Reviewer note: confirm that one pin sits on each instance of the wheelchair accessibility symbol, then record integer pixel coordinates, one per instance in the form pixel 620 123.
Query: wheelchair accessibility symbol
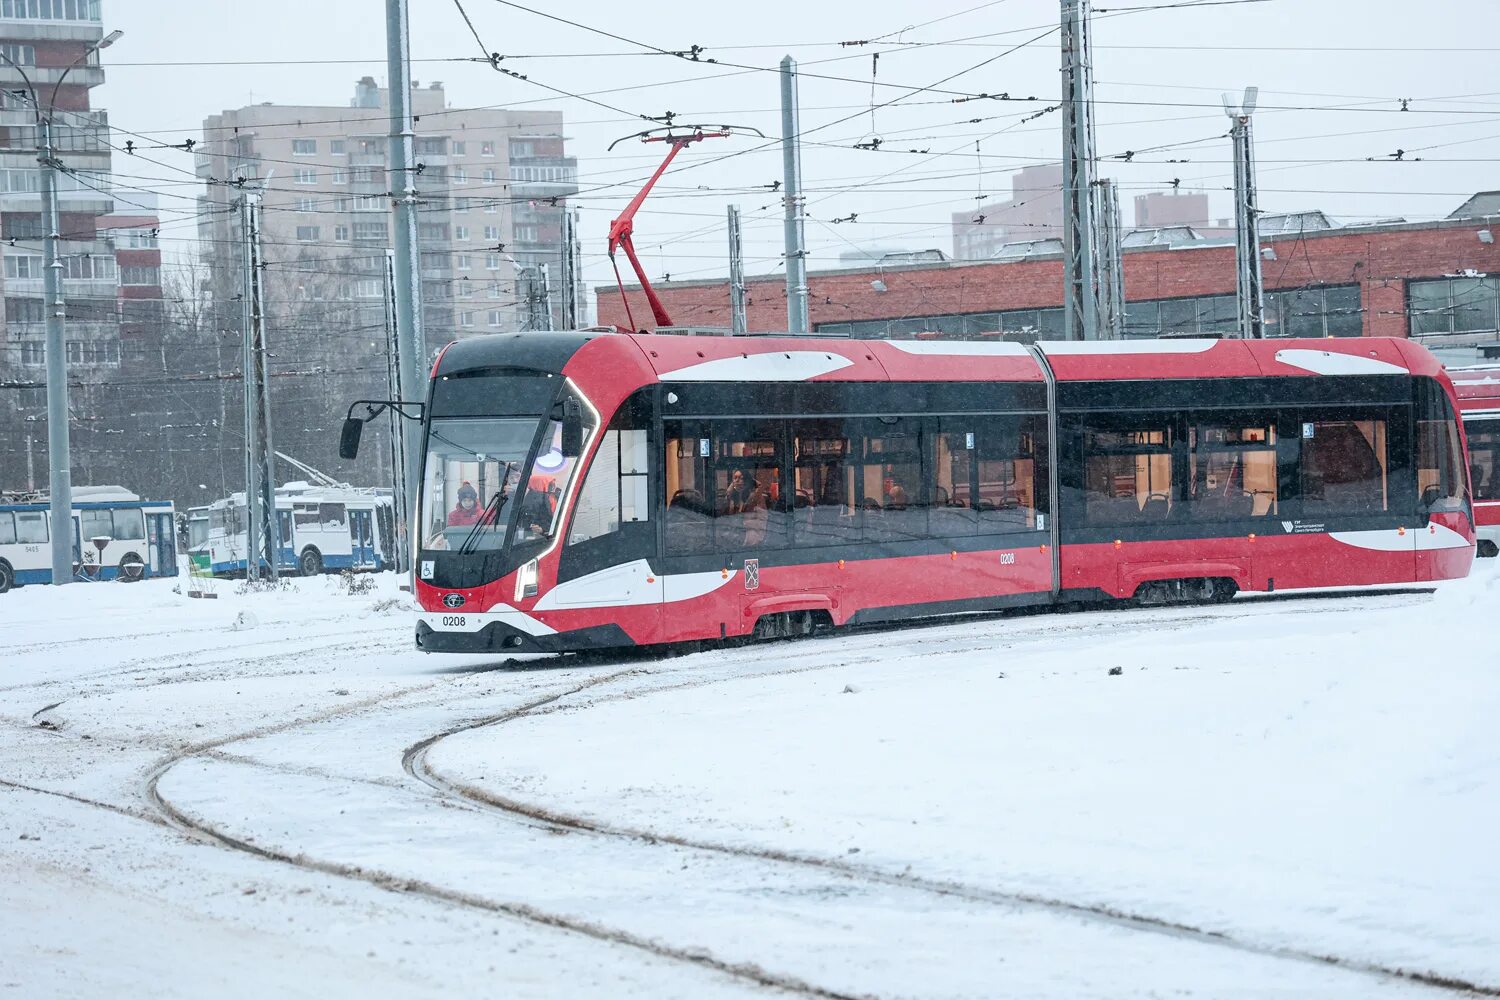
pixel 752 574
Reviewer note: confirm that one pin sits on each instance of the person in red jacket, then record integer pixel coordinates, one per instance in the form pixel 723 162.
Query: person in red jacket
pixel 466 511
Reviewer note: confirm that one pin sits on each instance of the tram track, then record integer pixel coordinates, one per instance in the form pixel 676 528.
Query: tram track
pixel 415 762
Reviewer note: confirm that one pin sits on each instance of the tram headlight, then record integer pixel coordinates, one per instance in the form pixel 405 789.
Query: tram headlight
pixel 526 581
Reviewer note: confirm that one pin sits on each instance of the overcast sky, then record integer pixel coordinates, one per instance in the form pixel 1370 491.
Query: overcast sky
pixel 1332 73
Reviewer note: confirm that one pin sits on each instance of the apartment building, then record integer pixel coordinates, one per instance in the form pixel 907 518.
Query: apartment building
pixel 42 61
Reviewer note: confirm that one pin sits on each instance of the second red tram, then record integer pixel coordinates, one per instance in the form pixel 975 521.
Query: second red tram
pixel 1478 390
pixel 588 490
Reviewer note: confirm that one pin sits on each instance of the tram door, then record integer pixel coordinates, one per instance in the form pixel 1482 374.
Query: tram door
pixel 361 539
pixel 288 557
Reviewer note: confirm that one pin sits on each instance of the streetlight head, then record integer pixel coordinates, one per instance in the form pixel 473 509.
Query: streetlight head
pixel 109 39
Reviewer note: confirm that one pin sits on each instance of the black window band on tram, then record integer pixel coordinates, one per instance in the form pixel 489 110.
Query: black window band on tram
pixel 494 392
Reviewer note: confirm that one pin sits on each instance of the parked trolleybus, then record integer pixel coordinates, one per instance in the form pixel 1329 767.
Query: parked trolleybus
pixel 1478 391
pixel 321 528
pixel 604 489
pixel 116 536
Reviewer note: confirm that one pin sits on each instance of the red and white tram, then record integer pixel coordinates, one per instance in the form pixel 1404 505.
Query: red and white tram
pixel 1478 390
pixel 586 490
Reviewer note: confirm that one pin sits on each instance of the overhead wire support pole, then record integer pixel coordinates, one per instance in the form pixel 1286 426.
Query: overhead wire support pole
pixel 797 320
pixel 1249 283
pixel 251 395
pixel 403 173
pixel 1080 260
pixel 737 324
pixel 265 452
pixel 398 430
pixel 59 450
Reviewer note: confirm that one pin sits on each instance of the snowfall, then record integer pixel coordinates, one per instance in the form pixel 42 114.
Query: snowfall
pixel 273 794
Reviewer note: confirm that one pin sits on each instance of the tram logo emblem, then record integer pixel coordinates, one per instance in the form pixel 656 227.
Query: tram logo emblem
pixel 1289 526
pixel 453 600
pixel 752 574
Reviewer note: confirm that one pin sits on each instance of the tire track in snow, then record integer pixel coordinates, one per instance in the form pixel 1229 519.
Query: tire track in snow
pixel 206 832
pixel 415 762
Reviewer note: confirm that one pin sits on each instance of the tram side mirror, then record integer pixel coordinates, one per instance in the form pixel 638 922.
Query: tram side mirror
pixel 349 438
pixel 572 429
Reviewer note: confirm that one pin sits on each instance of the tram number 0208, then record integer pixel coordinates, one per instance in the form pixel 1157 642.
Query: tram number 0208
pixel 1007 559
pixel 454 621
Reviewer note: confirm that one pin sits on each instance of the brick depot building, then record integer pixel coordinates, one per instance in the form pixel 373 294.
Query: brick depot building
pixel 1436 280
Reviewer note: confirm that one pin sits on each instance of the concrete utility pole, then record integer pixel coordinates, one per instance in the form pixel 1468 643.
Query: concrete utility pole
pixel 253 529
pixel 398 429
pixel 403 173
pixel 1249 287
pixel 736 274
pixel 59 452
pixel 791 167
pixel 1080 262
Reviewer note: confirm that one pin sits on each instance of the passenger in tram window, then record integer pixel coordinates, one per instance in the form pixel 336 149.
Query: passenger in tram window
pixel 757 515
pixel 738 494
pixel 895 494
pixel 466 511
pixel 539 504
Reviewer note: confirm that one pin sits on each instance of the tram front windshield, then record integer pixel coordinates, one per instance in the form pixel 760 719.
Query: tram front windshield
pixel 474 468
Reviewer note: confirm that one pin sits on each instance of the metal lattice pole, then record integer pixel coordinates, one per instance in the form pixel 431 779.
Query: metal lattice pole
pixel 1081 291
pixel 737 324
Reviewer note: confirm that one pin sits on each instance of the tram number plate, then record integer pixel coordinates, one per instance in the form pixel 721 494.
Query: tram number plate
pixel 1007 559
pixel 454 621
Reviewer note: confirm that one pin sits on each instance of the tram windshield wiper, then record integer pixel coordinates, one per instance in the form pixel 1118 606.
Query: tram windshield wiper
pixel 489 515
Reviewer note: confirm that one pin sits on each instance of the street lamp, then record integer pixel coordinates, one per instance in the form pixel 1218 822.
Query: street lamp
pixel 60 474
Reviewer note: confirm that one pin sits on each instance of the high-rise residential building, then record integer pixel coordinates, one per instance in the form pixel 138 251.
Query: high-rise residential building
pixel 492 187
pixel 38 44
pixel 1033 212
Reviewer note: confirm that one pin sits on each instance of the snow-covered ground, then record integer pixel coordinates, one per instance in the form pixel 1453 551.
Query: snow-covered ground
pixel 273 794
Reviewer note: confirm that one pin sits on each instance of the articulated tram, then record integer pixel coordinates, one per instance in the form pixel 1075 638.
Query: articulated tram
pixel 586 490
pixel 1478 391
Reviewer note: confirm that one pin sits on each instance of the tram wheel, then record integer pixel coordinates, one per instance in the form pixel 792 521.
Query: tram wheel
pixel 311 563
pixel 7 577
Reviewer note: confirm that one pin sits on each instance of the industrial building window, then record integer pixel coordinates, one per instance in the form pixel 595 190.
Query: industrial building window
pixel 23 266
pixel 460 148
pixel 21 55
pixel 489 176
pixel 305 234
pixel 304 147
pixel 491 232
pixel 487 149
pixel 495 318
pixel 304 176
pixel 432 147
pixel 341 177
pixel 1318 311
pixel 463 262
pixel 460 175
pixel 370 231
pixel 492 262
pixel 460 232
pixel 33 352
pixel 1453 305
pixel 341 234
pixel 306 205
pixel 51 10
pixel 336 147
pixel 88 267
pixel 466 319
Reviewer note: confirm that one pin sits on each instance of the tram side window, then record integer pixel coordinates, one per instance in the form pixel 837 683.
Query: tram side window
pixel 614 489
pixel 891 492
pixel 986 471
pixel 689 491
pixel 1345 467
pixel 1127 471
pixel 748 491
pixel 1231 470
pixel 7 528
pixel 824 511
pixel 31 527
pixel 1484 457
pixel 305 517
pixel 1440 471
